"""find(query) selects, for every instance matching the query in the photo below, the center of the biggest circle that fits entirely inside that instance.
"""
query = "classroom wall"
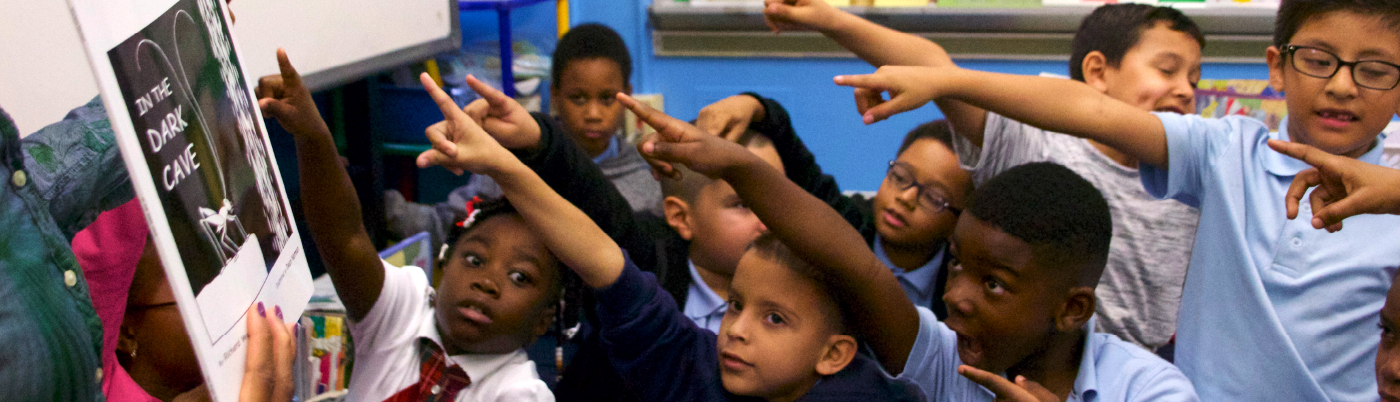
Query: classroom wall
(33, 57)
(823, 113)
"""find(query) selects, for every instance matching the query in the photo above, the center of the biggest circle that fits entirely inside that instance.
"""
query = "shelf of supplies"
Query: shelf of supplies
(503, 9)
(1233, 33)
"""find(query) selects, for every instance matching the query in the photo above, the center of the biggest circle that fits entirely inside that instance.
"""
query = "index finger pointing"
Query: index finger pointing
(652, 117)
(993, 382)
(444, 102)
(1302, 152)
(290, 78)
(643, 112)
(860, 81)
(492, 95)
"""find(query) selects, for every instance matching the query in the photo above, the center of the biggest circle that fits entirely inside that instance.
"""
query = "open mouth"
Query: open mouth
(893, 219)
(1336, 118)
(970, 351)
(474, 314)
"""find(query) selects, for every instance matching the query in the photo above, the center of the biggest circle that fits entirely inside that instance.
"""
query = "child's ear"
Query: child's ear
(546, 319)
(1274, 57)
(628, 89)
(1078, 308)
(1095, 68)
(838, 352)
(677, 215)
(126, 341)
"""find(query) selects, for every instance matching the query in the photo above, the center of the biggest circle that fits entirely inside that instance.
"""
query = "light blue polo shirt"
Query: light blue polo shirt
(1272, 309)
(611, 151)
(1110, 369)
(918, 284)
(703, 305)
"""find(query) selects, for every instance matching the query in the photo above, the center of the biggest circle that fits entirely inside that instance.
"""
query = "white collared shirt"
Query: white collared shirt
(387, 358)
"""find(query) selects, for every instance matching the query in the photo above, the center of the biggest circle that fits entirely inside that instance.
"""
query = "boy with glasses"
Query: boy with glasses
(1144, 55)
(908, 221)
(1274, 309)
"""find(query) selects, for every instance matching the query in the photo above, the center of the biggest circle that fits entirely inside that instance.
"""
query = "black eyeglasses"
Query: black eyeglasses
(1373, 74)
(902, 178)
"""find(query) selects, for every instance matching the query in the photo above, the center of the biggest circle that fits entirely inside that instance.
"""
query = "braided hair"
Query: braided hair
(571, 287)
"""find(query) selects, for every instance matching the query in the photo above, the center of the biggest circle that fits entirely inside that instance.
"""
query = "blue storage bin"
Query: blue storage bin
(404, 113)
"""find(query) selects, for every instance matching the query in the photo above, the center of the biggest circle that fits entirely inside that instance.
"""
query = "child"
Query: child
(1031, 248)
(783, 339)
(907, 223)
(705, 215)
(590, 64)
(1149, 57)
(1273, 310)
(499, 290)
(693, 251)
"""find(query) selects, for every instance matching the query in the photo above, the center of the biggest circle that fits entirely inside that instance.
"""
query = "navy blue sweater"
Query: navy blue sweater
(663, 356)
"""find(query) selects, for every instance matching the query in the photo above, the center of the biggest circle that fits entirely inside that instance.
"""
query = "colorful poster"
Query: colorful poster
(194, 143)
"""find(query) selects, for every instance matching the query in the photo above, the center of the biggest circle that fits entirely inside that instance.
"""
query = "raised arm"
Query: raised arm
(877, 45)
(1075, 109)
(751, 111)
(539, 143)
(330, 206)
(461, 144)
(869, 293)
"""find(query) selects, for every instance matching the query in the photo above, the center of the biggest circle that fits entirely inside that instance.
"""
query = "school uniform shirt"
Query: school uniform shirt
(702, 304)
(53, 183)
(1110, 370)
(925, 285)
(652, 245)
(1140, 289)
(663, 356)
(387, 357)
(920, 283)
(1273, 310)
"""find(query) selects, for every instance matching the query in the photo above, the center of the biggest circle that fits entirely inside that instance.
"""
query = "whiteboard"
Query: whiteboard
(44, 72)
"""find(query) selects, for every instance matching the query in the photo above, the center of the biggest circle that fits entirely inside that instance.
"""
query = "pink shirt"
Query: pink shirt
(108, 251)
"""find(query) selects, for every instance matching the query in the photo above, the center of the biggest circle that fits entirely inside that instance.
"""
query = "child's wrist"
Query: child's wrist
(507, 168)
(741, 168)
(836, 22)
(308, 136)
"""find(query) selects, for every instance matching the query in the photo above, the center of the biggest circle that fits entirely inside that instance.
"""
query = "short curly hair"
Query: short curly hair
(1046, 204)
(590, 41)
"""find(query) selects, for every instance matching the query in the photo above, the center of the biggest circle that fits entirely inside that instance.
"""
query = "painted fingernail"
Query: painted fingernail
(278, 310)
(261, 310)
